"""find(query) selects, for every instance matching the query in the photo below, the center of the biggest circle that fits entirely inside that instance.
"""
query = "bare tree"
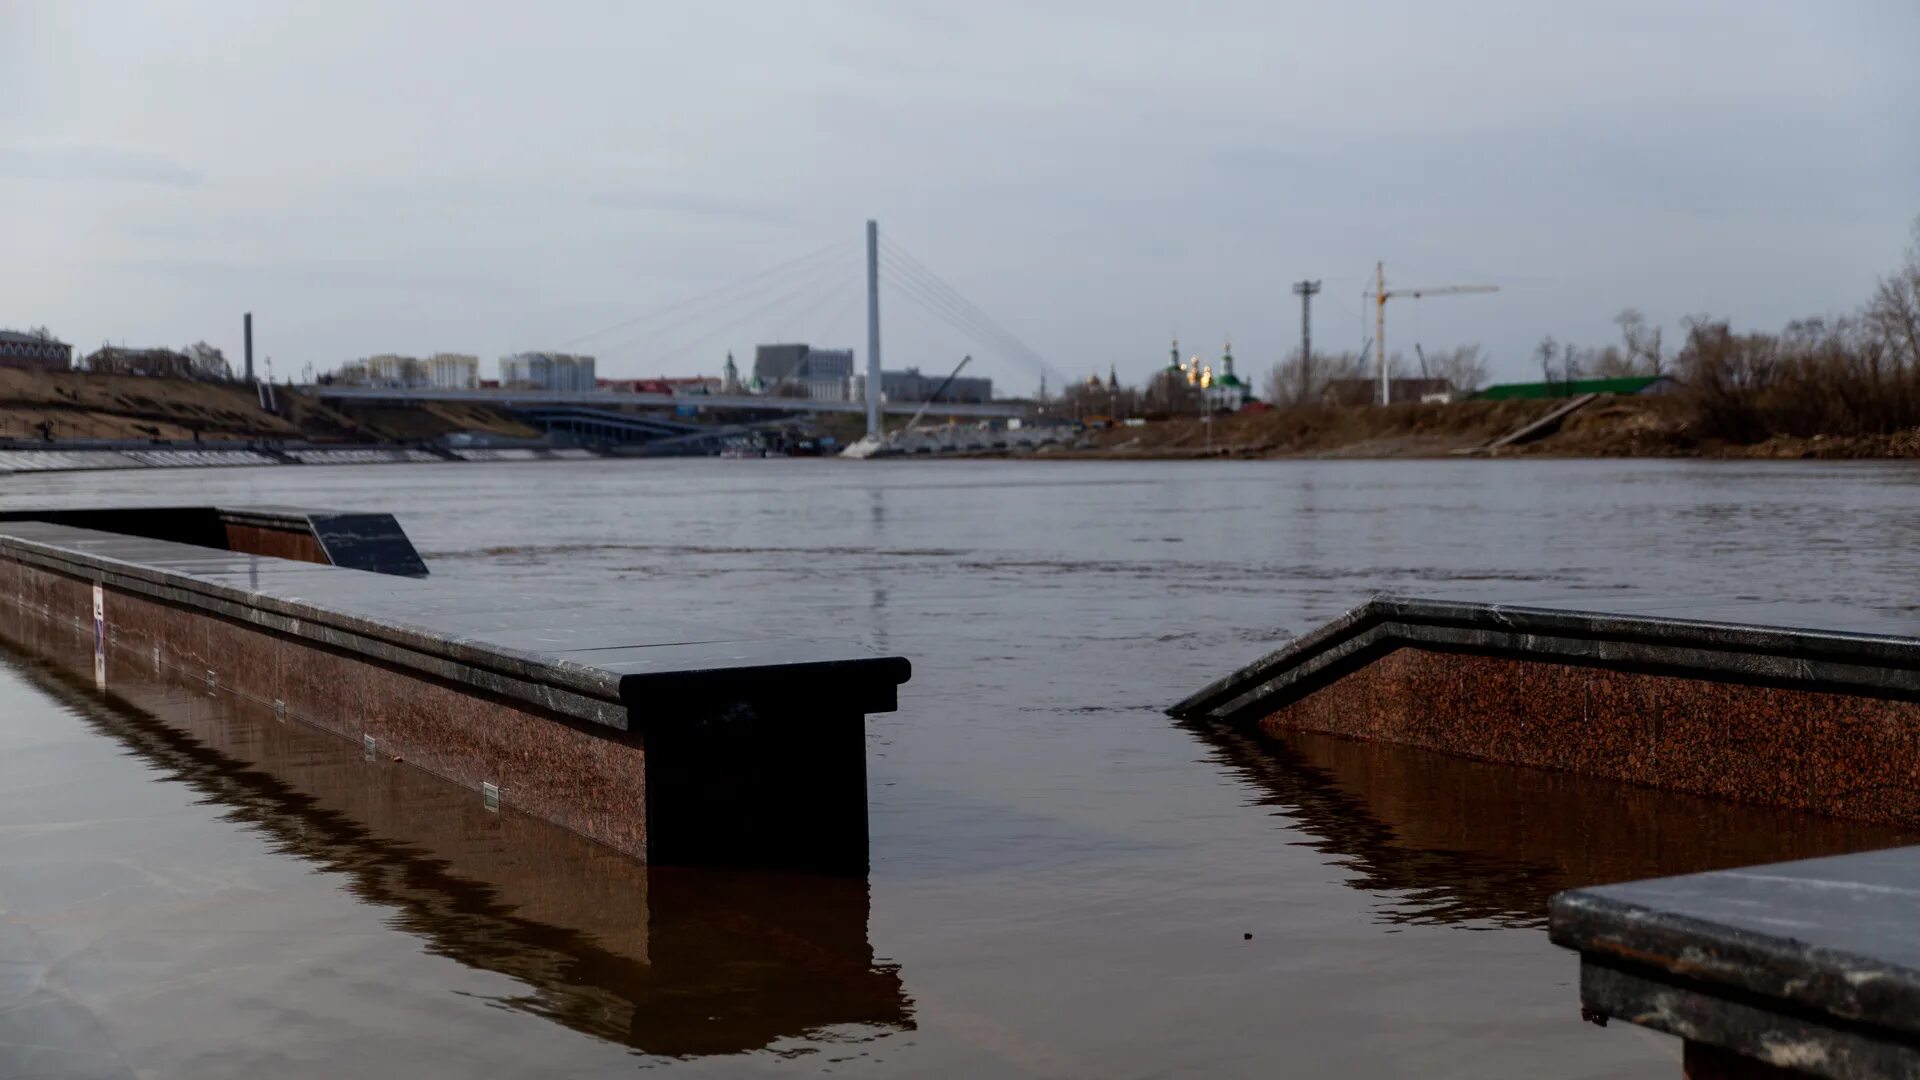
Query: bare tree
(1285, 385)
(1611, 362)
(1095, 398)
(1463, 366)
(1642, 343)
(1286, 382)
(207, 362)
(1893, 315)
(1570, 362)
(1544, 354)
(1169, 394)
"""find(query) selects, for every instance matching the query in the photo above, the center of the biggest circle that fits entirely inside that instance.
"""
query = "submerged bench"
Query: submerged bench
(1806, 968)
(673, 743)
(1660, 692)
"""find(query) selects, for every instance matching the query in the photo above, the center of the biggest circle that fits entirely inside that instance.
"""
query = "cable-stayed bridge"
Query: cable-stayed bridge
(764, 403)
(814, 294)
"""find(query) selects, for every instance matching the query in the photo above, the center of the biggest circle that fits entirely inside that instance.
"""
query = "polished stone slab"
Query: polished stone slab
(366, 542)
(528, 638)
(1810, 965)
(358, 540)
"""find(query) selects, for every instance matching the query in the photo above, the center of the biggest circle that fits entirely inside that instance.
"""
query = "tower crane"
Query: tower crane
(1381, 294)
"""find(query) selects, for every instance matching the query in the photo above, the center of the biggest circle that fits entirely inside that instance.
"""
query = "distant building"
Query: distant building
(390, 369)
(1632, 384)
(773, 364)
(911, 385)
(453, 371)
(441, 371)
(730, 377)
(829, 363)
(387, 371)
(802, 371)
(694, 384)
(34, 352)
(1226, 393)
(547, 371)
(677, 385)
(118, 360)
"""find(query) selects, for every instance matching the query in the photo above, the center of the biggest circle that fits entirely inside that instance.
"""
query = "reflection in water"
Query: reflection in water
(1449, 840)
(670, 962)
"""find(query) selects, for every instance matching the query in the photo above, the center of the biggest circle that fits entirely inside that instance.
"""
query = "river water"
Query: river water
(1064, 882)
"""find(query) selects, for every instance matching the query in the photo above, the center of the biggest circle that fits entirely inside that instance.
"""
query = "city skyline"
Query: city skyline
(1098, 179)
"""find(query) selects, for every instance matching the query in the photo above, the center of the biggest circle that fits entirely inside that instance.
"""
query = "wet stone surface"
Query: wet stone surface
(1812, 964)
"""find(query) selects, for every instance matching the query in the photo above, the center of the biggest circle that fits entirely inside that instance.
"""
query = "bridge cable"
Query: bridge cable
(938, 285)
(830, 269)
(809, 290)
(987, 334)
(700, 298)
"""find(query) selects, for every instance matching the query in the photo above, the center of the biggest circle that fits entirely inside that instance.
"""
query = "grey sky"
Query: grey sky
(413, 177)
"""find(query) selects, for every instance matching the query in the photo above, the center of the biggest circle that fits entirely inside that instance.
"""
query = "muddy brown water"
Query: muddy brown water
(1063, 880)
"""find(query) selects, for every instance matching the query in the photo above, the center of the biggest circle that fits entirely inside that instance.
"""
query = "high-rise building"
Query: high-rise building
(390, 369)
(911, 385)
(453, 371)
(546, 371)
(829, 363)
(802, 371)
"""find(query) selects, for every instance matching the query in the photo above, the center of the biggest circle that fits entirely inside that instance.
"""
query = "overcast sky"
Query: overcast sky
(475, 177)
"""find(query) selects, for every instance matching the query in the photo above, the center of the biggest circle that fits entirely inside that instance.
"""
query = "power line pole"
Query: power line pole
(1380, 328)
(873, 329)
(1305, 290)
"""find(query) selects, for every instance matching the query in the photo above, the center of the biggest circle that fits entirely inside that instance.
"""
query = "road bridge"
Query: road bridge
(610, 399)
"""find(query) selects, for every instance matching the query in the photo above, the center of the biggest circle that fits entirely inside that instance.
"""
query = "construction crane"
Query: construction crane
(1381, 294)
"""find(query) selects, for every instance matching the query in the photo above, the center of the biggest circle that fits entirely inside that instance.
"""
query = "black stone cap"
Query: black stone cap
(354, 539)
(1664, 638)
(1837, 938)
(606, 666)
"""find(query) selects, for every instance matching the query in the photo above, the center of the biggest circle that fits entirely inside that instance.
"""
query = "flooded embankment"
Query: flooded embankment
(1064, 882)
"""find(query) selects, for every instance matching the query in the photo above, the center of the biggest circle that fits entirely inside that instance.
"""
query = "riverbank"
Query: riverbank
(1626, 427)
(94, 457)
(70, 407)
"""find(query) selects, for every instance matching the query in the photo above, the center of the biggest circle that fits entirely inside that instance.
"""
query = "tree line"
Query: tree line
(1856, 373)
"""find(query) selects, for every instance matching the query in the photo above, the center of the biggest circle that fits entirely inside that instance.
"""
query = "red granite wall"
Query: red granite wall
(1841, 754)
(551, 767)
(280, 543)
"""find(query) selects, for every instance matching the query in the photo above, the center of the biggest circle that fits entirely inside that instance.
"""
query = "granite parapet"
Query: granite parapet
(1810, 966)
(662, 739)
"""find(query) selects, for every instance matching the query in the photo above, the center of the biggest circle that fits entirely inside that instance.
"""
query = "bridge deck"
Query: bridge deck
(613, 398)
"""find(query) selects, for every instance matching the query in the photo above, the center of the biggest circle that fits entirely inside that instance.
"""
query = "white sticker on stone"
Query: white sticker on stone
(99, 637)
